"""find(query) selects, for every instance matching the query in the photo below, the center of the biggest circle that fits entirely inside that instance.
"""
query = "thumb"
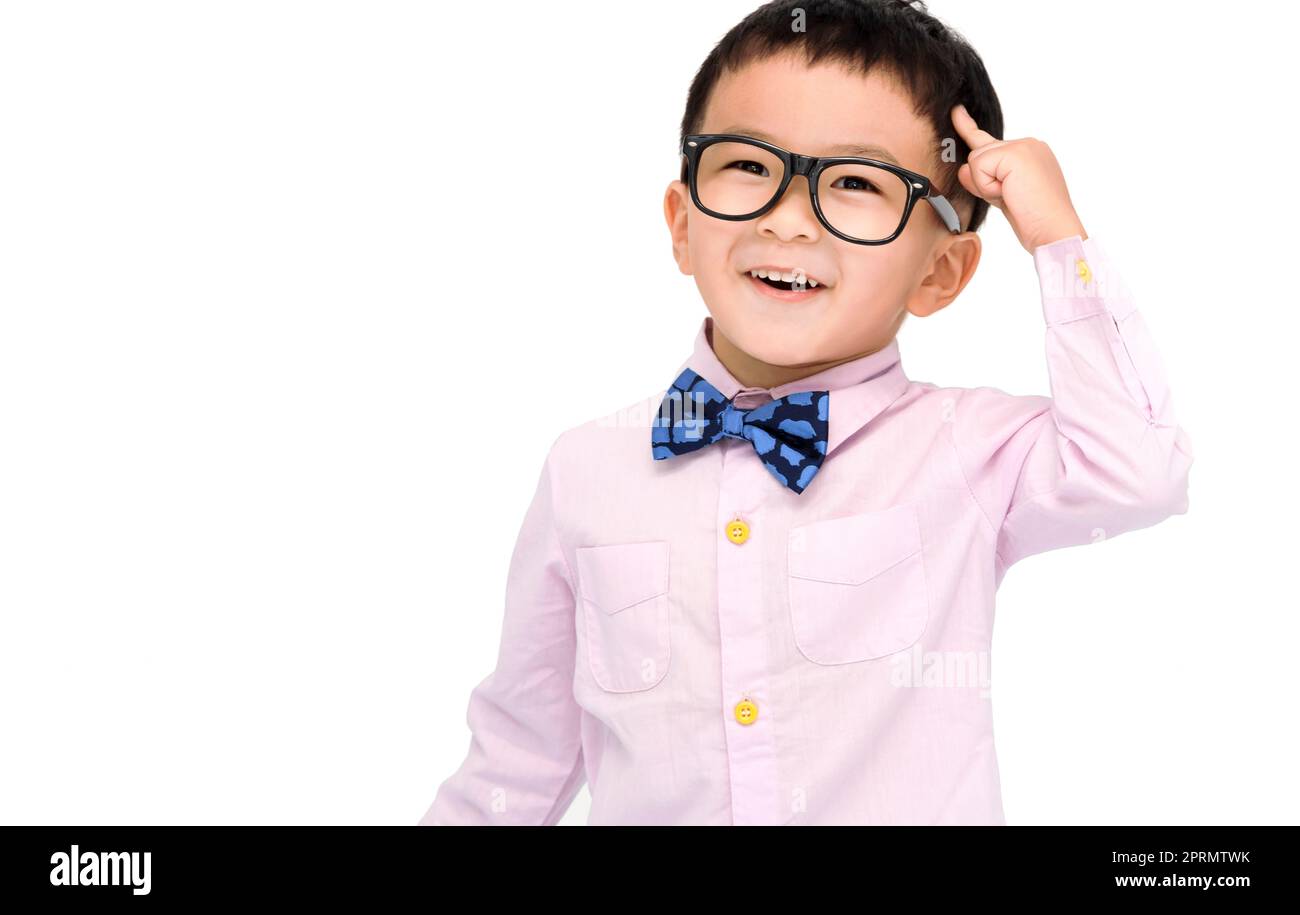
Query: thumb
(964, 178)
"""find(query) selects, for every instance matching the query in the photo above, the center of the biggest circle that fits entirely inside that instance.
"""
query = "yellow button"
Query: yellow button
(1084, 271)
(737, 531)
(746, 711)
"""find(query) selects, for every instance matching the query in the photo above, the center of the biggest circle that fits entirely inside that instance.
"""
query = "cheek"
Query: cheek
(878, 284)
(710, 236)
(711, 256)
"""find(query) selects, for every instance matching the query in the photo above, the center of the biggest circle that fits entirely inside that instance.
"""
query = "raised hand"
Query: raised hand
(1022, 179)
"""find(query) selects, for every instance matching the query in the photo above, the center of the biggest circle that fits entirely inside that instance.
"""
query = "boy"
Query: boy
(717, 595)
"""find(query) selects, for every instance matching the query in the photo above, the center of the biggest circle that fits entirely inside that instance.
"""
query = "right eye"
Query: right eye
(750, 166)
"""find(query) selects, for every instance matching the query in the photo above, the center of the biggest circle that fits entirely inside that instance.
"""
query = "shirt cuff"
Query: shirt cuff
(1078, 280)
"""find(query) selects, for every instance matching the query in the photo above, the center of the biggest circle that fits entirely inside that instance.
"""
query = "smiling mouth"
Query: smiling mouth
(784, 279)
(781, 284)
(777, 290)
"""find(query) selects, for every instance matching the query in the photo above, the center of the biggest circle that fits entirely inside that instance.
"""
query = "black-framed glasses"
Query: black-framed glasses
(864, 201)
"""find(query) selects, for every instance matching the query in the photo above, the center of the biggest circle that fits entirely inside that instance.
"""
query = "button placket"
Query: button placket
(751, 753)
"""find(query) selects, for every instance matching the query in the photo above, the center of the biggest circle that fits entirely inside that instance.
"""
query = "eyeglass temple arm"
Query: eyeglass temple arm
(946, 212)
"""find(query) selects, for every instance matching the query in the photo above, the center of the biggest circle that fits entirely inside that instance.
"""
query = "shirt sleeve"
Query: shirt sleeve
(1104, 454)
(524, 765)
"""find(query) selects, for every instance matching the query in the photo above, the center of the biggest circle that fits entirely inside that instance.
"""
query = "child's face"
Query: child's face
(869, 289)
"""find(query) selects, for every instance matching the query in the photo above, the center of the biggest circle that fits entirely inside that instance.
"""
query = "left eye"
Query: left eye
(858, 184)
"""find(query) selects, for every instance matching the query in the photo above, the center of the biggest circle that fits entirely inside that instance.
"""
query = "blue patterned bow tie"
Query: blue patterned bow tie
(788, 434)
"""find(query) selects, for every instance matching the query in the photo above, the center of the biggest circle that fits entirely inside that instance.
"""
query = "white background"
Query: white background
(258, 259)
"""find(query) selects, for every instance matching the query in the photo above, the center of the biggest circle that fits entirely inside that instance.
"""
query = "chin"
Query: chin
(775, 347)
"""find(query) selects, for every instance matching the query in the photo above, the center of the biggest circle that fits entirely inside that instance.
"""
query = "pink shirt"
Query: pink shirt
(831, 666)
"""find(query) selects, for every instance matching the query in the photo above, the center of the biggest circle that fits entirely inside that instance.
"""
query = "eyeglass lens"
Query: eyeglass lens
(861, 201)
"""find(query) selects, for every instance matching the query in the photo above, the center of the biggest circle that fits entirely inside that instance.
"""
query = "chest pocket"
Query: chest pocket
(857, 585)
(624, 590)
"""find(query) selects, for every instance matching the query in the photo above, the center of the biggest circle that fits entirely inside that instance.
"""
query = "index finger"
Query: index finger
(969, 130)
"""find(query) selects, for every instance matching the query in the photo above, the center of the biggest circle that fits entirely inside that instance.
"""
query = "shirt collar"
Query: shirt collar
(860, 389)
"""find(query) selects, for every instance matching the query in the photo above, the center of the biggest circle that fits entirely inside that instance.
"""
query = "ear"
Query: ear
(950, 270)
(677, 203)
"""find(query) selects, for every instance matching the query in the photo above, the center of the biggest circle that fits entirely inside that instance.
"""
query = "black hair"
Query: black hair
(936, 65)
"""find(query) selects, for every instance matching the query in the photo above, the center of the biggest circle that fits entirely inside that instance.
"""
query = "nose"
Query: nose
(793, 215)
